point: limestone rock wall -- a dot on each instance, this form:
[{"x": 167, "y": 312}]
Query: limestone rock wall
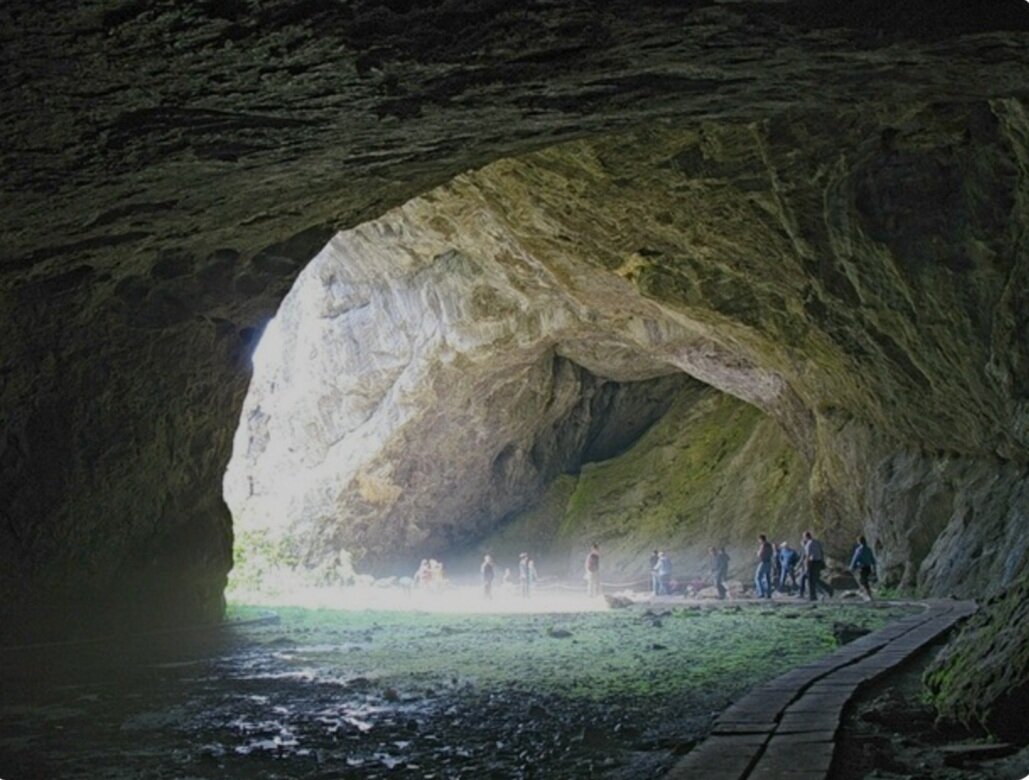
[
  {"x": 169, "y": 168},
  {"x": 712, "y": 471},
  {"x": 787, "y": 263},
  {"x": 948, "y": 523},
  {"x": 981, "y": 678}
]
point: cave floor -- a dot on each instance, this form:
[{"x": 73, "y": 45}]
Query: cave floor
[{"x": 329, "y": 694}]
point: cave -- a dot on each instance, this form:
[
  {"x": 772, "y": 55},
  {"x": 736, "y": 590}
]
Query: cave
[{"x": 540, "y": 273}]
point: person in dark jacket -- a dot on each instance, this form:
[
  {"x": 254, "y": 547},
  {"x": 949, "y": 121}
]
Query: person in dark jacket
[
  {"x": 863, "y": 562},
  {"x": 720, "y": 569},
  {"x": 763, "y": 575},
  {"x": 488, "y": 573},
  {"x": 593, "y": 572}
]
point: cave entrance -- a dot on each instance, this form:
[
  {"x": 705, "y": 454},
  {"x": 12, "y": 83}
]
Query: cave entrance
[{"x": 444, "y": 408}]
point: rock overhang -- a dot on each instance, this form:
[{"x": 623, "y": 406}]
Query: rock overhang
[
  {"x": 171, "y": 169},
  {"x": 576, "y": 251}
]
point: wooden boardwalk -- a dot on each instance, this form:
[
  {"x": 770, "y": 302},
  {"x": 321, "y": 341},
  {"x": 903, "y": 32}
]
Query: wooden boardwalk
[{"x": 787, "y": 727}]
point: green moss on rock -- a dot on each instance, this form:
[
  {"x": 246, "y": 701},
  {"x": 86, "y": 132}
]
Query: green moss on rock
[
  {"x": 713, "y": 470},
  {"x": 982, "y": 677}
]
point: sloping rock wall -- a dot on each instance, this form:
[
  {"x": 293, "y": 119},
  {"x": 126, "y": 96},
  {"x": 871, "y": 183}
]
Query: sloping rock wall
[
  {"x": 169, "y": 168},
  {"x": 712, "y": 471},
  {"x": 982, "y": 678},
  {"x": 776, "y": 262}
]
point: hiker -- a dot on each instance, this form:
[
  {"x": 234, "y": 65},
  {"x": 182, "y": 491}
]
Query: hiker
[
  {"x": 524, "y": 575},
  {"x": 423, "y": 577},
  {"x": 814, "y": 563},
  {"x": 863, "y": 562},
  {"x": 720, "y": 569},
  {"x": 763, "y": 575},
  {"x": 487, "y": 576},
  {"x": 776, "y": 567},
  {"x": 435, "y": 574},
  {"x": 788, "y": 560},
  {"x": 593, "y": 572},
  {"x": 663, "y": 572},
  {"x": 654, "y": 556}
]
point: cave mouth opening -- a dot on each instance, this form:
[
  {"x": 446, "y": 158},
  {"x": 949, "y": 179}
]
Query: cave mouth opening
[
  {"x": 415, "y": 398},
  {"x": 587, "y": 420}
]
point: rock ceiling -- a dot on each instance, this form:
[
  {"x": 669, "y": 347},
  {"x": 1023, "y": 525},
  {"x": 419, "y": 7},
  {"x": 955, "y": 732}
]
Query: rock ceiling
[{"x": 169, "y": 168}]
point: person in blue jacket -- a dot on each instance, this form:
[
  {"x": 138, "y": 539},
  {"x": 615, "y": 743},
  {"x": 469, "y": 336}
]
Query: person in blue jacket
[
  {"x": 863, "y": 562},
  {"x": 788, "y": 560}
]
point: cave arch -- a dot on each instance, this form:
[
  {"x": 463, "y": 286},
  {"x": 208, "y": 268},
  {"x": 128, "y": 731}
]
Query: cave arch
[
  {"x": 147, "y": 237},
  {"x": 574, "y": 252}
]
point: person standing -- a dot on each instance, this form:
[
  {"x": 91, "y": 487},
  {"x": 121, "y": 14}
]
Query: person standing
[
  {"x": 654, "y": 557},
  {"x": 763, "y": 575},
  {"x": 720, "y": 569},
  {"x": 863, "y": 562},
  {"x": 663, "y": 571},
  {"x": 814, "y": 564},
  {"x": 593, "y": 571},
  {"x": 524, "y": 581},
  {"x": 788, "y": 559},
  {"x": 488, "y": 573}
]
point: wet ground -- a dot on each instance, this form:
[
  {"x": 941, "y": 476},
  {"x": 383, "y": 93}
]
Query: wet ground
[{"x": 333, "y": 694}]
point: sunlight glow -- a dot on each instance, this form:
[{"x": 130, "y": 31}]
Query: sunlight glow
[{"x": 465, "y": 599}]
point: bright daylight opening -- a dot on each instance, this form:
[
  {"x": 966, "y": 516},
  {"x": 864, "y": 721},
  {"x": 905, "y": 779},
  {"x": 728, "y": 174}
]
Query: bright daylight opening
[{"x": 425, "y": 398}]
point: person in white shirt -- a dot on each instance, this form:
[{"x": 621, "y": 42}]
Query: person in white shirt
[{"x": 814, "y": 563}]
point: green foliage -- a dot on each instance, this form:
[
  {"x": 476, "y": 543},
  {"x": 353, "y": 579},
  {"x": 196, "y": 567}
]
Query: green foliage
[{"x": 266, "y": 562}]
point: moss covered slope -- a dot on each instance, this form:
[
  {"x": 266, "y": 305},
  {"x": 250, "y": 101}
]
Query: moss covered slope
[{"x": 713, "y": 470}]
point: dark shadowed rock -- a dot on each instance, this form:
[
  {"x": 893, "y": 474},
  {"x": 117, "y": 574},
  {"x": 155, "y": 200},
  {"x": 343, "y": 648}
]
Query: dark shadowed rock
[
  {"x": 847, "y": 632},
  {"x": 546, "y": 209}
]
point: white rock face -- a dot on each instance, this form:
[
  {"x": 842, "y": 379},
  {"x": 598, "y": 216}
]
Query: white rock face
[
  {"x": 429, "y": 375},
  {"x": 439, "y": 366}
]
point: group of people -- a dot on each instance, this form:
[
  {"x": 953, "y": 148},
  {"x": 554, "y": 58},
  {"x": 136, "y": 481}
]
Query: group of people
[
  {"x": 778, "y": 565},
  {"x": 429, "y": 576},
  {"x": 527, "y": 575}
]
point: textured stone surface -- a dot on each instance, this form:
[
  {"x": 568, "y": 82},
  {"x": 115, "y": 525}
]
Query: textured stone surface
[
  {"x": 982, "y": 677},
  {"x": 713, "y": 471},
  {"x": 169, "y": 169},
  {"x": 438, "y": 324}
]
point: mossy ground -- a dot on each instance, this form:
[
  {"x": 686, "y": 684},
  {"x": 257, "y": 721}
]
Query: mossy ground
[
  {"x": 327, "y": 693},
  {"x": 608, "y": 654}
]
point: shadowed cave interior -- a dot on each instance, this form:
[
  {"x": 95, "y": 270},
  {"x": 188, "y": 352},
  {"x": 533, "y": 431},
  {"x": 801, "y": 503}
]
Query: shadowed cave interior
[{"x": 677, "y": 272}]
